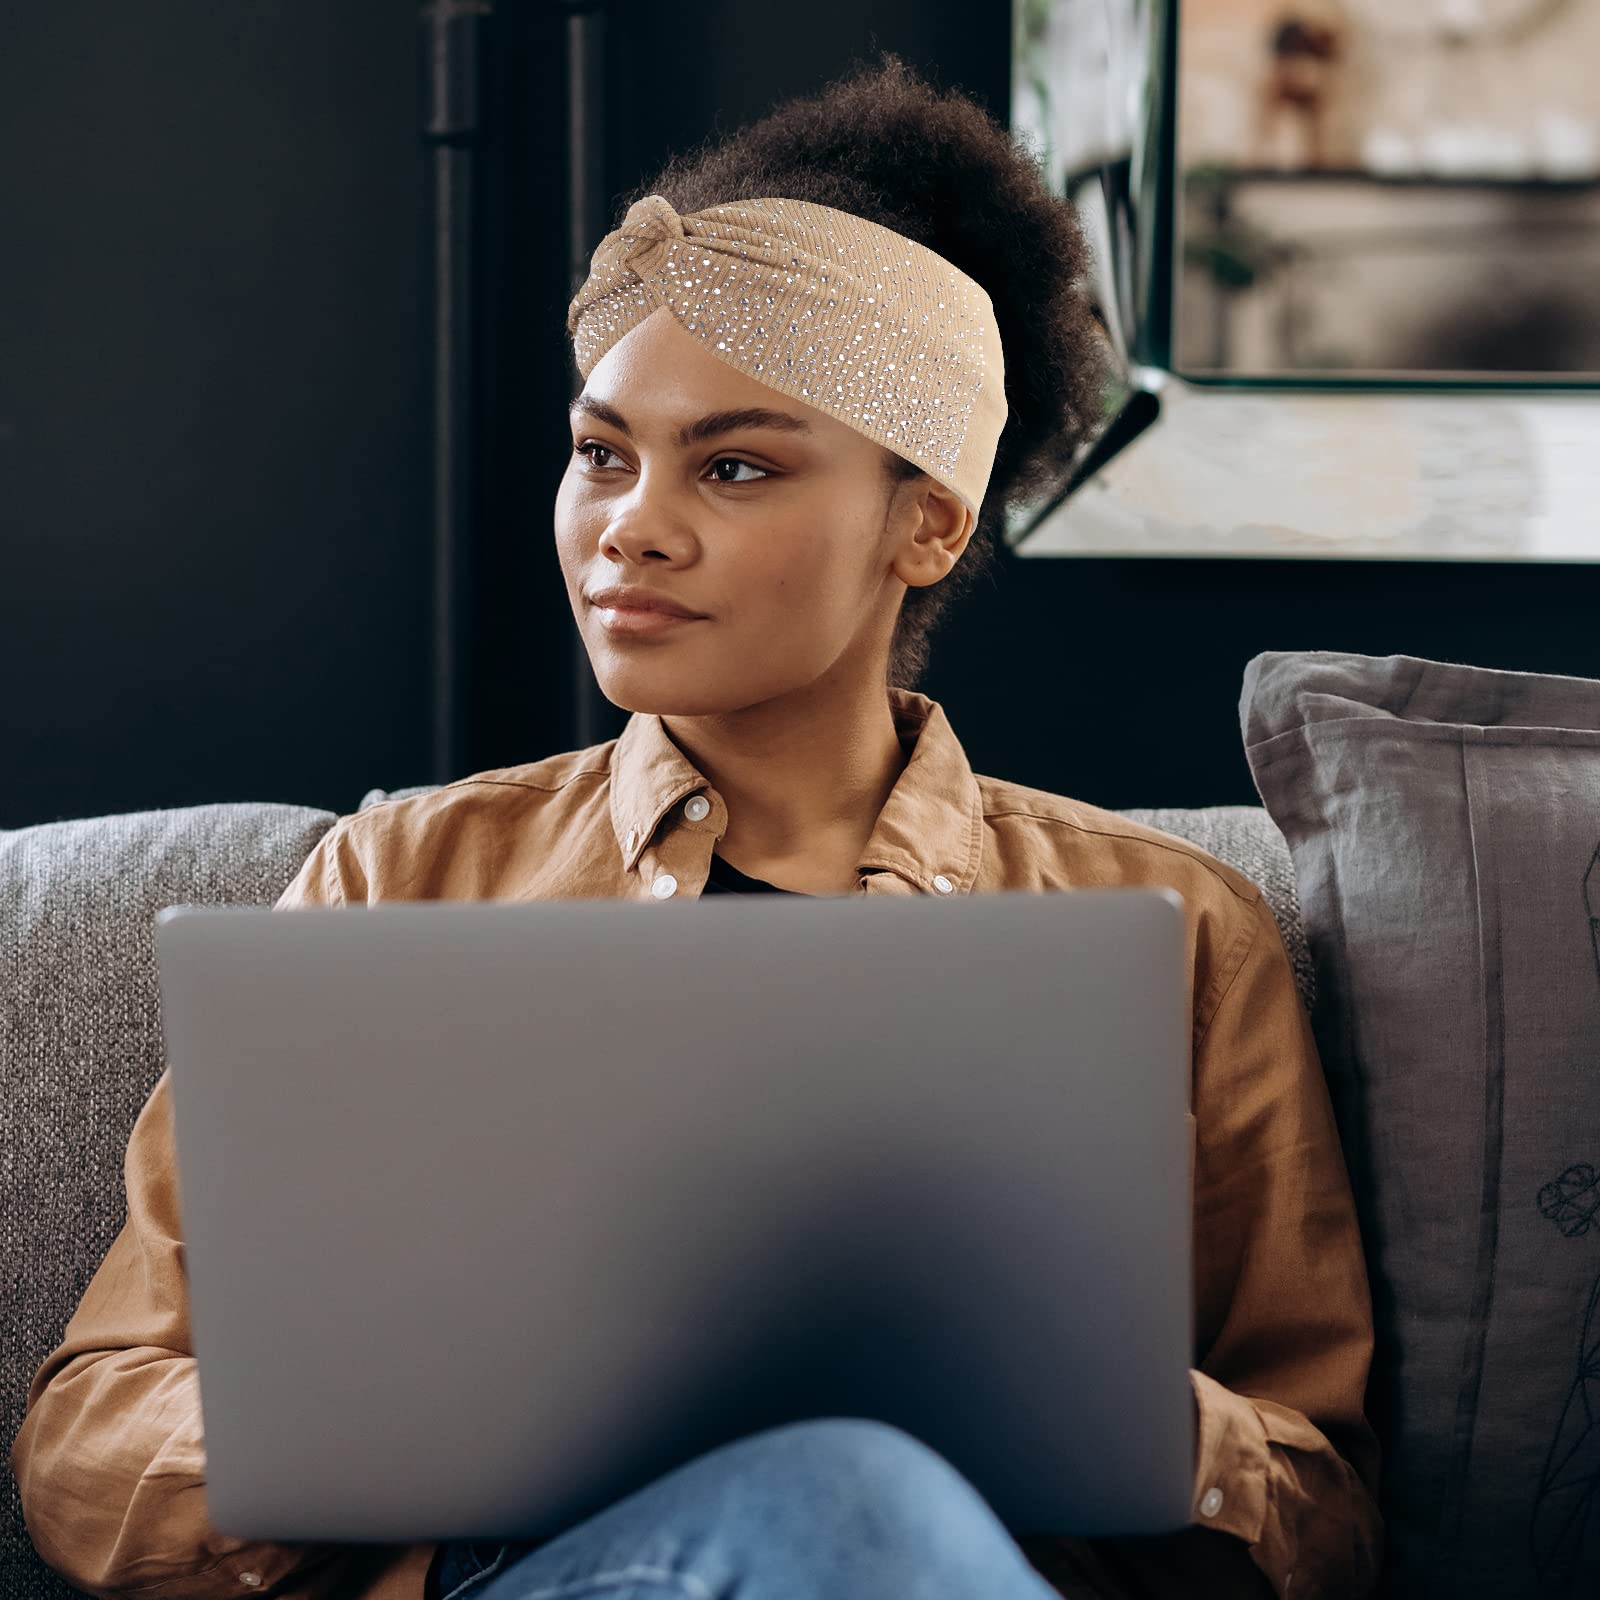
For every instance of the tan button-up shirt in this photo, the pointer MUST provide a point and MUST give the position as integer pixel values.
(110, 1456)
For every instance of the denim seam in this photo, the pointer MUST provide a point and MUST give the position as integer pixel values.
(467, 1585)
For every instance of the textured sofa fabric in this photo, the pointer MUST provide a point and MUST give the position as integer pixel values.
(1445, 827)
(81, 1043)
(80, 1050)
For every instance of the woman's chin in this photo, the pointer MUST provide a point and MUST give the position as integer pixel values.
(655, 691)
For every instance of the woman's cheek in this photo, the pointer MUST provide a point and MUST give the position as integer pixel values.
(576, 529)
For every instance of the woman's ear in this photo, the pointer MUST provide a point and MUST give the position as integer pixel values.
(933, 528)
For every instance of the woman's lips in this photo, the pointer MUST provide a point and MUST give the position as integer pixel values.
(634, 622)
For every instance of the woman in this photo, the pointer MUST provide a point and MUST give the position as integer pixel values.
(819, 360)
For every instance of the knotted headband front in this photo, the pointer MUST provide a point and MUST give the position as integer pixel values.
(851, 317)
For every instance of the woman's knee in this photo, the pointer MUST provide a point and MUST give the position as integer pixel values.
(807, 1511)
(866, 1450)
(855, 1468)
(863, 1507)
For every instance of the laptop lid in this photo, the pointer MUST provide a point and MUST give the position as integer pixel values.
(494, 1212)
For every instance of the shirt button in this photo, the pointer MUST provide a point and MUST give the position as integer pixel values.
(664, 887)
(697, 808)
(943, 884)
(633, 839)
(252, 1578)
(1211, 1504)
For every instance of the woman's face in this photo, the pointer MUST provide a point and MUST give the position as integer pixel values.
(783, 531)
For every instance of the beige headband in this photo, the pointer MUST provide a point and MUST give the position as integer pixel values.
(853, 318)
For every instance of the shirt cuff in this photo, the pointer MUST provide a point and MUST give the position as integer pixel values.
(1232, 1462)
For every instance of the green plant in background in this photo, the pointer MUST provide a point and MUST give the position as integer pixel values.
(1031, 22)
(1235, 255)
(1114, 392)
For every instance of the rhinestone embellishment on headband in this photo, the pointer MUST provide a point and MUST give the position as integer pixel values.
(853, 318)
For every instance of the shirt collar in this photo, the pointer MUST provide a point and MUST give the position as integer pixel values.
(929, 831)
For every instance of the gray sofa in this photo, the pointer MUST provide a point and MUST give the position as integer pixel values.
(1429, 841)
(81, 1043)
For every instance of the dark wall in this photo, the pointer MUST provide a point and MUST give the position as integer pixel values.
(216, 551)
(216, 548)
(212, 425)
(1117, 681)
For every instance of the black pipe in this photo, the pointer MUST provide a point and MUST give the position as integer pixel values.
(588, 204)
(454, 43)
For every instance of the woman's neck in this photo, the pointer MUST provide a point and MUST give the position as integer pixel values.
(804, 779)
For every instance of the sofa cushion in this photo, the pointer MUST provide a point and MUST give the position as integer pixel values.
(1445, 826)
(81, 1048)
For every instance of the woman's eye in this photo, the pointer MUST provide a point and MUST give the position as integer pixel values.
(590, 445)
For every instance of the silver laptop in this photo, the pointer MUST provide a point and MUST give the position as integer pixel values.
(495, 1212)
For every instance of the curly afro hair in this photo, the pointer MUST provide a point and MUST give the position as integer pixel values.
(884, 143)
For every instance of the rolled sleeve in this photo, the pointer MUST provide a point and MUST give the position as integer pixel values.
(1233, 1462)
(1286, 1461)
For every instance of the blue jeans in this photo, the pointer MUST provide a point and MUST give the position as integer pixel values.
(832, 1509)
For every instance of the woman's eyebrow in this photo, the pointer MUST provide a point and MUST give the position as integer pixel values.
(706, 427)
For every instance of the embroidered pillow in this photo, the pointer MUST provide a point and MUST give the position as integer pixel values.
(1445, 826)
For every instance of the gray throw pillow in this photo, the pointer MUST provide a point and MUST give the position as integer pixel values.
(1445, 826)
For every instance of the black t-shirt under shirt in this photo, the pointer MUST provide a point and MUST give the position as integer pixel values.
(725, 878)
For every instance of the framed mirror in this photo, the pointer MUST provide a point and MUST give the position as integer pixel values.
(1337, 243)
